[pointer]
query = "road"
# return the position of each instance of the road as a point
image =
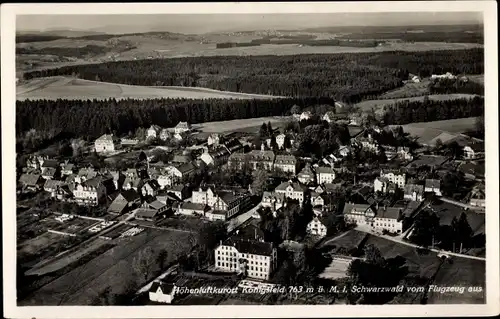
(400, 241)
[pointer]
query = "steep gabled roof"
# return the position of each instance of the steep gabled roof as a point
(29, 179)
(250, 246)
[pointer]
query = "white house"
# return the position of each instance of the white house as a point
(162, 292)
(153, 131)
(292, 190)
(305, 116)
(325, 175)
(213, 140)
(389, 219)
(317, 227)
(404, 153)
(474, 150)
(273, 200)
(286, 163)
(433, 186)
(182, 127)
(280, 140)
(105, 143)
(255, 259)
(90, 192)
(380, 184)
(306, 175)
(396, 177)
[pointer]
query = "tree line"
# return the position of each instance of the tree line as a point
(450, 86)
(92, 118)
(350, 77)
(405, 112)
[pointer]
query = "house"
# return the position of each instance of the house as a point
(180, 172)
(344, 150)
(124, 202)
(404, 153)
(49, 173)
(233, 145)
(388, 219)
(305, 116)
(63, 192)
(50, 165)
(329, 117)
(150, 188)
(317, 227)
(67, 168)
(32, 182)
(474, 150)
(180, 191)
(214, 215)
(225, 201)
(292, 190)
(51, 186)
(273, 200)
(368, 144)
(106, 143)
(84, 174)
(256, 159)
(394, 176)
(216, 157)
(165, 179)
(414, 192)
(280, 141)
(286, 163)
(251, 231)
(156, 204)
(182, 127)
(360, 214)
(433, 186)
(478, 196)
(188, 208)
(325, 175)
(132, 180)
(148, 214)
(252, 258)
(213, 140)
(319, 199)
(165, 134)
(153, 131)
(306, 175)
(415, 79)
(90, 192)
(381, 184)
(161, 292)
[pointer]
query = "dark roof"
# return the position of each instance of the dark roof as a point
(29, 179)
(146, 212)
(117, 206)
(130, 195)
(176, 188)
(153, 184)
(187, 167)
(50, 163)
(52, 184)
(296, 186)
(49, 171)
(432, 183)
(233, 145)
(249, 232)
(156, 204)
(227, 196)
(166, 288)
(388, 212)
(285, 159)
(410, 188)
(250, 246)
(325, 170)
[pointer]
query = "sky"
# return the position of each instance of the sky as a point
(202, 23)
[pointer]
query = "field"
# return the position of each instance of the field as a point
(38, 243)
(78, 89)
(349, 240)
(461, 272)
(447, 130)
(82, 284)
(409, 89)
(378, 105)
(476, 78)
(150, 46)
(243, 125)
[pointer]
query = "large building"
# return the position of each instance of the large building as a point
(325, 175)
(255, 159)
(396, 177)
(255, 259)
(292, 190)
(106, 143)
(306, 175)
(91, 192)
(433, 186)
(182, 127)
(153, 131)
(273, 200)
(224, 201)
(286, 163)
(379, 218)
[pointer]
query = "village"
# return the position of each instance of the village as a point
(180, 179)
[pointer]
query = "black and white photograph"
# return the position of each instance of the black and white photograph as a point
(208, 157)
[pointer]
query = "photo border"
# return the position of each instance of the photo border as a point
(11, 310)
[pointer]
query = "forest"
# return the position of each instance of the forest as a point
(77, 52)
(406, 112)
(451, 86)
(347, 77)
(92, 118)
(428, 36)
